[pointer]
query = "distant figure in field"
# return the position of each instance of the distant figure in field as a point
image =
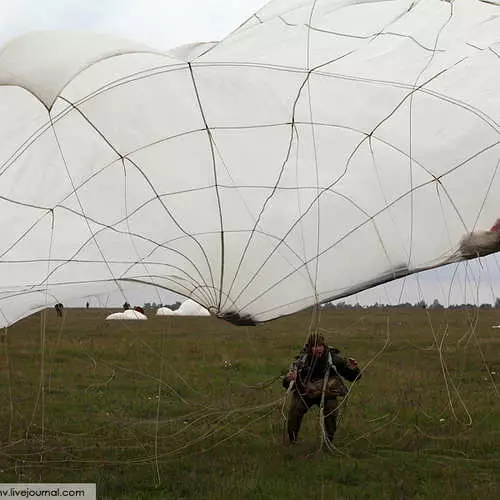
(126, 306)
(59, 309)
(139, 309)
(316, 377)
(87, 305)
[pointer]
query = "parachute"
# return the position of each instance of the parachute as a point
(187, 308)
(129, 314)
(191, 308)
(320, 149)
(165, 311)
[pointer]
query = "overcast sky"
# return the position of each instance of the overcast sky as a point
(164, 24)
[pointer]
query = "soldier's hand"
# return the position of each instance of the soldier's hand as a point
(291, 376)
(352, 363)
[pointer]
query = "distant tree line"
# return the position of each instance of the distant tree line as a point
(344, 305)
(154, 305)
(407, 305)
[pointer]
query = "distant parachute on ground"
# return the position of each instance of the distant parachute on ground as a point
(165, 311)
(321, 148)
(191, 308)
(187, 308)
(129, 314)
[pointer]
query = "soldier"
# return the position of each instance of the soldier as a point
(59, 309)
(316, 374)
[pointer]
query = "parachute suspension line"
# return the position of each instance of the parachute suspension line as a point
(293, 131)
(40, 397)
(472, 334)
(163, 347)
(324, 438)
(387, 205)
(472, 320)
(448, 379)
(410, 128)
(185, 290)
(488, 368)
(127, 221)
(53, 351)
(5, 339)
(156, 194)
(216, 182)
(453, 204)
(324, 441)
(283, 406)
(491, 282)
(43, 335)
(251, 216)
(315, 311)
(345, 400)
(75, 192)
(439, 185)
(332, 184)
(316, 168)
(483, 203)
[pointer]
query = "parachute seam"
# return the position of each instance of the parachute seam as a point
(293, 132)
(59, 146)
(233, 186)
(414, 89)
(145, 177)
(129, 233)
(41, 130)
(375, 35)
(219, 206)
(398, 199)
(109, 227)
(316, 166)
(410, 116)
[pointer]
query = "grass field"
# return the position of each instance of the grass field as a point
(153, 410)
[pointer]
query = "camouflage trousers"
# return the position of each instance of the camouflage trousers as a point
(300, 405)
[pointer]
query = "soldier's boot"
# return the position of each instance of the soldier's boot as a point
(298, 408)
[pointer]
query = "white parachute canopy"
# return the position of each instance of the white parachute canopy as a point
(165, 311)
(191, 308)
(187, 308)
(129, 314)
(320, 149)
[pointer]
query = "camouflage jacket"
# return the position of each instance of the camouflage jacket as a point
(308, 368)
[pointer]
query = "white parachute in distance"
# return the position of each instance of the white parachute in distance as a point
(165, 311)
(321, 148)
(129, 314)
(187, 308)
(191, 308)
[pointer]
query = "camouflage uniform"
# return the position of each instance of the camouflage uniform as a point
(311, 372)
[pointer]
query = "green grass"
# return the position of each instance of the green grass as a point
(148, 409)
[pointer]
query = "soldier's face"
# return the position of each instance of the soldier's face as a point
(318, 350)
